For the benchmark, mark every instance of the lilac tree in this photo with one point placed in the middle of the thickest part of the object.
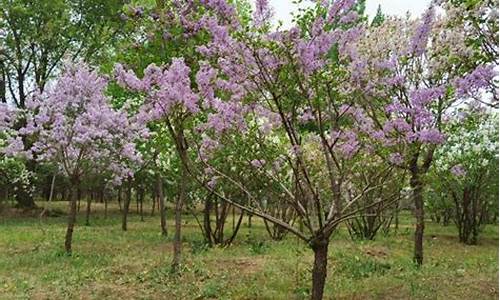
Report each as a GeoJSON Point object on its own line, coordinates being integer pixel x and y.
{"type": "Point", "coordinates": [170, 100]}
{"type": "Point", "coordinates": [172, 29]}
{"type": "Point", "coordinates": [409, 74]}
{"type": "Point", "coordinates": [465, 175]}
{"type": "Point", "coordinates": [286, 91]}
{"type": "Point", "coordinates": [73, 125]}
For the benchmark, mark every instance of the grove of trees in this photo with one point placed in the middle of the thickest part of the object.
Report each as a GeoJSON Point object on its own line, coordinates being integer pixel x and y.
{"type": "Point", "coordinates": [335, 121]}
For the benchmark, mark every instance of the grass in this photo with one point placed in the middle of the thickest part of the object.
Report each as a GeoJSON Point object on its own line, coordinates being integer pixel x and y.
{"type": "Point", "coordinates": [108, 263]}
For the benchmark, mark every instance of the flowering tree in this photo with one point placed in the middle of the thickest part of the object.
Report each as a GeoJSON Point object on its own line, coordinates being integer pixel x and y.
{"type": "Point", "coordinates": [169, 30]}
{"type": "Point", "coordinates": [13, 173]}
{"type": "Point", "coordinates": [170, 99]}
{"type": "Point", "coordinates": [73, 125]}
{"type": "Point", "coordinates": [466, 172]}
{"type": "Point", "coordinates": [287, 85]}
{"type": "Point", "coordinates": [408, 86]}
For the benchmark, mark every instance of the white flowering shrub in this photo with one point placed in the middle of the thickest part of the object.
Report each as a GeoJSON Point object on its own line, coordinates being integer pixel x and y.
{"type": "Point", "coordinates": [464, 180]}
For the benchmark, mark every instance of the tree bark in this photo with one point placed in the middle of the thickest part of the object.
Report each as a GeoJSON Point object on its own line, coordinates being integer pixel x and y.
{"type": "Point", "coordinates": [87, 213]}
{"type": "Point", "coordinates": [416, 185]}
{"type": "Point", "coordinates": [120, 197]}
{"type": "Point", "coordinates": [178, 219]}
{"type": "Point", "coordinates": [105, 208]}
{"type": "Point", "coordinates": [79, 197]}
{"type": "Point", "coordinates": [141, 198]}
{"type": "Point", "coordinates": [71, 217]}
{"type": "Point", "coordinates": [153, 199]}
{"type": "Point", "coordinates": [161, 199]}
{"type": "Point", "coordinates": [320, 248]}
{"type": "Point", "coordinates": [51, 194]}
{"type": "Point", "coordinates": [206, 220]}
{"type": "Point", "coordinates": [126, 205]}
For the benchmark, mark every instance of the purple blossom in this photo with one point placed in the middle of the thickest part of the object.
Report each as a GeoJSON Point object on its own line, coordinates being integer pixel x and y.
{"type": "Point", "coordinates": [77, 128]}
{"type": "Point", "coordinates": [306, 116]}
{"type": "Point", "coordinates": [396, 159]}
{"type": "Point", "coordinates": [431, 136]}
{"type": "Point", "coordinates": [263, 12]}
{"type": "Point", "coordinates": [424, 96]}
{"type": "Point", "coordinates": [420, 38]}
{"type": "Point", "coordinates": [338, 8]}
{"type": "Point", "coordinates": [458, 171]}
{"type": "Point", "coordinates": [478, 79]}
{"type": "Point", "coordinates": [166, 88]}
{"type": "Point", "coordinates": [258, 163]}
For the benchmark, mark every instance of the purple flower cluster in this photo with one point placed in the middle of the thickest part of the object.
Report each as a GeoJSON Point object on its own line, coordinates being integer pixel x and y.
{"type": "Point", "coordinates": [165, 89]}
{"type": "Point", "coordinates": [418, 43]}
{"type": "Point", "coordinates": [77, 128]}
{"type": "Point", "coordinates": [458, 171]}
{"type": "Point", "coordinates": [471, 84]}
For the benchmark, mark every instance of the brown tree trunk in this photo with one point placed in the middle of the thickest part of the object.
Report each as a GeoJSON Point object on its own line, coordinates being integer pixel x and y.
{"type": "Point", "coordinates": [141, 198]}
{"type": "Point", "coordinates": [120, 197]}
{"type": "Point", "coordinates": [153, 199]}
{"type": "Point", "coordinates": [416, 185]}
{"type": "Point", "coordinates": [206, 220]}
{"type": "Point", "coordinates": [79, 197]}
{"type": "Point", "coordinates": [51, 194]}
{"type": "Point", "coordinates": [126, 205]}
{"type": "Point", "coordinates": [71, 217]}
{"type": "Point", "coordinates": [161, 199]}
{"type": "Point", "coordinates": [320, 248]}
{"type": "Point", "coordinates": [105, 208]}
{"type": "Point", "coordinates": [178, 219]}
{"type": "Point", "coordinates": [87, 214]}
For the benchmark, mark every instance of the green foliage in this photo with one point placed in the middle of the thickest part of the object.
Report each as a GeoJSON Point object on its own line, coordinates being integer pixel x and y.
{"type": "Point", "coordinates": [358, 267]}
{"type": "Point", "coordinates": [379, 17]}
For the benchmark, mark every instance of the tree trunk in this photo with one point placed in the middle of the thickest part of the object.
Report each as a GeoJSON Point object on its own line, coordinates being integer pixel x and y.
{"type": "Point", "coordinates": [159, 192]}
{"type": "Point", "coordinates": [71, 217]}
{"type": "Point", "coordinates": [206, 220]}
{"type": "Point", "coordinates": [120, 197]}
{"type": "Point", "coordinates": [126, 205]}
{"type": "Point", "coordinates": [51, 194]}
{"type": "Point", "coordinates": [87, 214]}
{"type": "Point", "coordinates": [153, 199]}
{"type": "Point", "coordinates": [79, 197]}
{"type": "Point", "coordinates": [141, 198]}
{"type": "Point", "coordinates": [178, 218]}
{"type": "Point", "coordinates": [105, 208]}
{"type": "Point", "coordinates": [416, 185]}
{"type": "Point", "coordinates": [320, 248]}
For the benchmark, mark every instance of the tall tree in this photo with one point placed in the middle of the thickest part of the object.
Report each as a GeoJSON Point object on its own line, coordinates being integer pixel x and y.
{"type": "Point", "coordinates": [37, 35]}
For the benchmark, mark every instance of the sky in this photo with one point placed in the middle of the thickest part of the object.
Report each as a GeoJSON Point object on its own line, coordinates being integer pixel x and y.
{"type": "Point", "coordinates": [283, 8]}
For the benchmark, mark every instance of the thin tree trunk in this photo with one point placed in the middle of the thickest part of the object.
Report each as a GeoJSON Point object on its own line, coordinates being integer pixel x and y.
{"type": "Point", "coordinates": [105, 207]}
{"type": "Point", "coordinates": [320, 248]}
{"type": "Point", "coordinates": [234, 217]}
{"type": "Point", "coordinates": [153, 199]}
{"type": "Point", "coordinates": [141, 198]}
{"type": "Point", "coordinates": [120, 197]}
{"type": "Point", "coordinates": [161, 200]}
{"type": "Point", "coordinates": [71, 216]}
{"type": "Point", "coordinates": [137, 199]}
{"type": "Point", "coordinates": [126, 205]}
{"type": "Point", "coordinates": [51, 194]}
{"type": "Point", "coordinates": [416, 185]}
{"type": "Point", "coordinates": [206, 220]}
{"type": "Point", "coordinates": [178, 218]}
{"type": "Point", "coordinates": [87, 214]}
{"type": "Point", "coordinates": [79, 197]}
